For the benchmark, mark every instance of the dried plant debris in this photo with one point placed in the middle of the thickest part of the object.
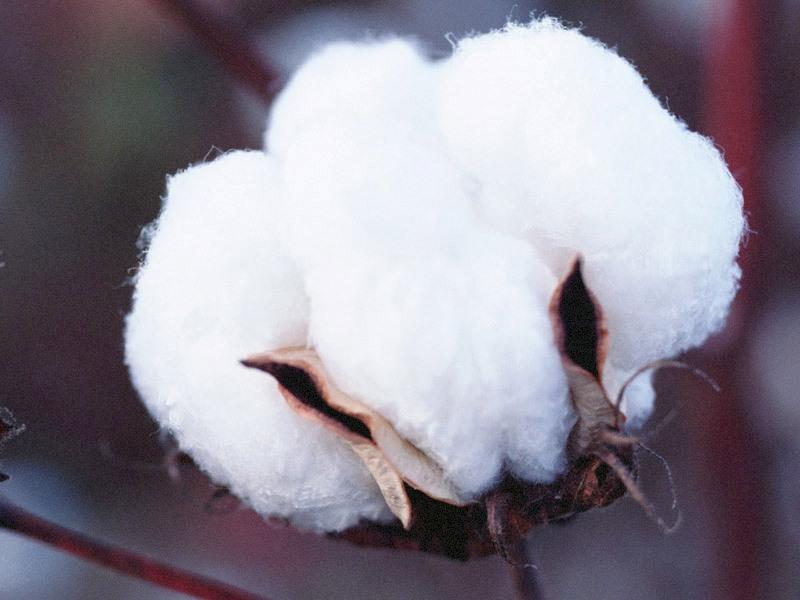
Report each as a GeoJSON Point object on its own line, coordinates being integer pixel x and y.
{"type": "Point", "coordinates": [492, 524]}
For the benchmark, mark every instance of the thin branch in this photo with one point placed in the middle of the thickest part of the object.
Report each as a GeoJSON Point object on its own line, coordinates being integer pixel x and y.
{"type": "Point", "coordinates": [228, 45]}
{"type": "Point", "coordinates": [21, 521]}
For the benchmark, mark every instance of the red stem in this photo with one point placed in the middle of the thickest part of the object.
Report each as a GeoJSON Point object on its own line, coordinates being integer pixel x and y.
{"type": "Point", "coordinates": [21, 521]}
{"type": "Point", "coordinates": [228, 45]}
{"type": "Point", "coordinates": [733, 65]}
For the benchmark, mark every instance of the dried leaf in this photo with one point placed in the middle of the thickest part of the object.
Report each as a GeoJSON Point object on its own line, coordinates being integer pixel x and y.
{"type": "Point", "coordinates": [391, 459]}
{"type": "Point", "coordinates": [582, 340]}
{"type": "Point", "coordinates": [595, 412]}
{"type": "Point", "coordinates": [388, 478]}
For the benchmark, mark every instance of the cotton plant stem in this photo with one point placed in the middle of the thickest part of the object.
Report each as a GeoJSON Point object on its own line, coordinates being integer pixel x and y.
{"type": "Point", "coordinates": [523, 574]}
{"type": "Point", "coordinates": [238, 56]}
{"type": "Point", "coordinates": [16, 519]}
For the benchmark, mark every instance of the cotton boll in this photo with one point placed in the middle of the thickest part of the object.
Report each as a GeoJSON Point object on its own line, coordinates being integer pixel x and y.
{"type": "Point", "coordinates": [574, 154]}
{"type": "Point", "coordinates": [456, 350]}
{"type": "Point", "coordinates": [365, 84]}
{"type": "Point", "coordinates": [215, 287]}
{"type": "Point", "coordinates": [411, 224]}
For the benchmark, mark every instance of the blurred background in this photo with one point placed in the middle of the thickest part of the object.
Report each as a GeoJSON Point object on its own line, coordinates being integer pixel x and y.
{"type": "Point", "coordinates": [99, 101]}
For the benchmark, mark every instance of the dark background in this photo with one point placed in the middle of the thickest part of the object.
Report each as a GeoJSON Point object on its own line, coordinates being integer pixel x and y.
{"type": "Point", "coordinates": [99, 101]}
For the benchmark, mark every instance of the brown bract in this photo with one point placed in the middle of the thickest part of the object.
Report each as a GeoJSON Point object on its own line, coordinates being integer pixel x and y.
{"type": "Point", "coordinates": [392, 460]}
{"type": "Point", "coordinates": [433, 517]}
{"type": "Point", "coordinates": [581, 336]}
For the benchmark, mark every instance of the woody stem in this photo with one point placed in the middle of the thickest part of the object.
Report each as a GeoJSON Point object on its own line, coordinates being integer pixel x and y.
{"type": "Point", "coordinates": [524, 575]}
{"type": "Point", "coordinates": [14, 518]}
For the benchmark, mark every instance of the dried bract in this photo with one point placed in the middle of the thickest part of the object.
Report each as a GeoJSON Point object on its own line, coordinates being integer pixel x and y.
{"type": "Point", "coordinates": [392, 460]}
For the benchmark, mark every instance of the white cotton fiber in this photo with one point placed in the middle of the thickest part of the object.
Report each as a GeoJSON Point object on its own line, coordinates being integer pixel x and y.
{"type": "Point", "coordinates": [410, 220]}
{"type": "Point", "coordinates": [456, 350]}
{"type": "Point", "coordinates": [575, 154]}
{"type": "Point", "coordinates": [416, 308]}
{"type": "Point", "coordinates": [403, 197]}
{"type": "Point", "coordinates": [216, 287]}
{"type": "Point", "coordinates": [363, 85]}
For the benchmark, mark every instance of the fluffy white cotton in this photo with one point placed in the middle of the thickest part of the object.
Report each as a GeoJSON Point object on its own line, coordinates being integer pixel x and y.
{"type": "Point", "coordinates": [456, 350]}
{"type": "Point", "coordinates": [363, 85]}
{"type": "Point", "coordinates": [410, 220]}
{"type": "Point", "coordinates": [402, 198]}
{"type": "Point", "coordinates": [391, 248]}
{"type": "Point", "coordinates": [216, 287]}
{"type": "Point", "coordinates": [574, 154]}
